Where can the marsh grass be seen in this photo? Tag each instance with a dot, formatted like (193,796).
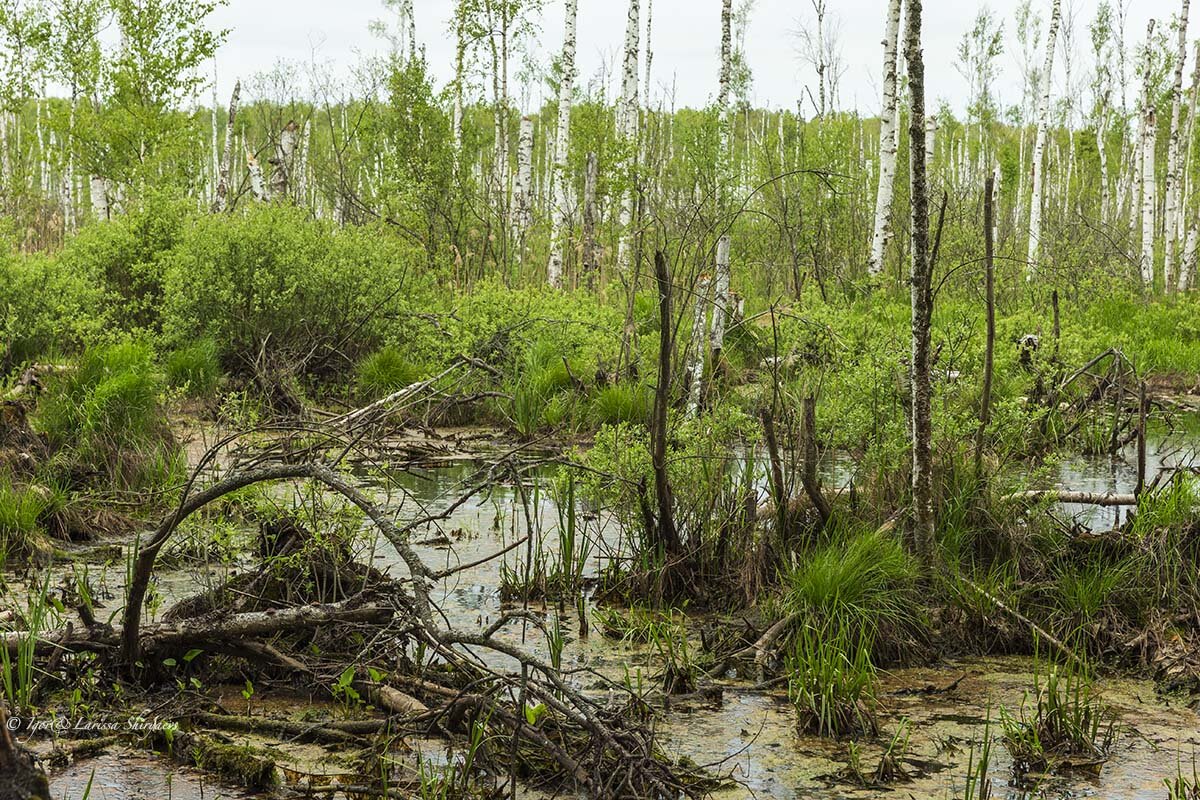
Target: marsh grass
(1183,786)
(385,371)
(21,512)
(194,369)
(832,683)
(1063,724)
(106,417)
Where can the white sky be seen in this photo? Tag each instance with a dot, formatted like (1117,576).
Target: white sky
(685,41)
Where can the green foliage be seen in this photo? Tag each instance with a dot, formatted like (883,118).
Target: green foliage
(21,510)
(124,256)
(46,307)
(622,403)
(308,293)
(194,368)
(831,683)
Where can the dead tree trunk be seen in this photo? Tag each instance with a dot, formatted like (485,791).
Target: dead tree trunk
(591,177)
(922,300)
(281,164)
(667,536)
(985,401)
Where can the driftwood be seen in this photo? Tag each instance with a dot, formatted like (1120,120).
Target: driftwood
(221,631)
(1065,496)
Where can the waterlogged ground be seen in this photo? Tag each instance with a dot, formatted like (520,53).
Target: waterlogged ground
(750,732)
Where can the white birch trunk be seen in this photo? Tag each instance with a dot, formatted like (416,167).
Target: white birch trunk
(889,142)
(1102,151)
(522,185)
(1149,136)
(695,368)
(1171,231)
(99,193)
(560,181)
(1039,146)
(258,187)
(1184,224)
(628,131)
(720,299)
(222,199)
(285,151)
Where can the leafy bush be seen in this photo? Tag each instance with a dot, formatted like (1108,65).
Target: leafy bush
(313,297)
(125,256)
(194,368)
(45,308)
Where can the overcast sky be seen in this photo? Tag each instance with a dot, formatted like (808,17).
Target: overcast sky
(685,39)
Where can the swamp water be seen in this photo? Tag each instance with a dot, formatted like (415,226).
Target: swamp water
(750,734)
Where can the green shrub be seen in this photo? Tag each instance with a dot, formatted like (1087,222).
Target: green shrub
(383,372)
(194,368)
(45,308)
(312,297)
(126,256)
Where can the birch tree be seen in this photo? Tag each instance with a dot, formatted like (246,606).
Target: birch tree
(627,130)
(1171,220)
(922,300)
(1039,146)
(222,202)
(889,140)
(560,183)
(1149,140)
(724,177)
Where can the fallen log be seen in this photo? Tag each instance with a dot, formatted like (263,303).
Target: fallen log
(1065,496)
(195,632)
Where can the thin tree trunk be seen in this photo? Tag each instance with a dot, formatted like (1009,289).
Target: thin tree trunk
(1187,229)
(695,370)
(720,301)
(1173,172)
(591,177)
(560,183)
(1039,147)
(1149,197)
(720,313)
(922,404)
(522,186)
(628,133)
(990,190)
(889,141)
(222,200)
(285,151)
(258,187)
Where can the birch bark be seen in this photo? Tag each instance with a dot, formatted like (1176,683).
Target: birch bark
(889,142)
(1171,231)
(560,184)
(1039,146)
